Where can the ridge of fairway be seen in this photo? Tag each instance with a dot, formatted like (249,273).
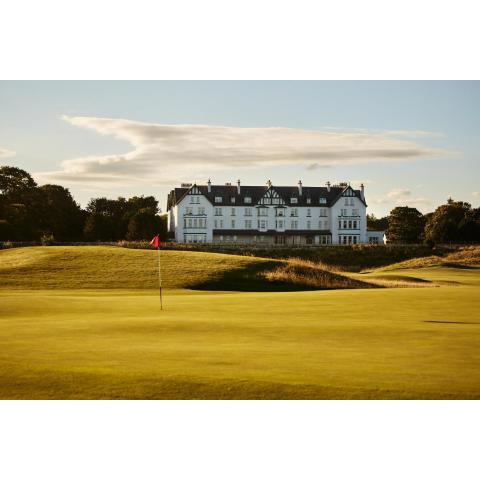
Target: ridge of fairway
(110,267)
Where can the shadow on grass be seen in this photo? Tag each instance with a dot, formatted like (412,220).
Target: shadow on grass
(450,321)
(279,276)
(249,279)
(400,278)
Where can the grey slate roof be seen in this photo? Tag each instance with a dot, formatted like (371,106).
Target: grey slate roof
(257,192)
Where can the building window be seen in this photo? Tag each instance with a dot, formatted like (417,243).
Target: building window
(323,212)
(349,224)
(309,212)
(233,223)
(248,212)
(247,199)
(262,212)
(279,223)
(355,212)
(355,224)
(189,223)
(232,199)
(218,199)
(262,224)
(345,224)
(309,225)
(188,210)
(294,224)
(233,212)
(309,200)
(201,210)
(248,224)
(218,211)
(215,223)
(322,200)
(294,200)
(279,212)
(294,212)
(344,212)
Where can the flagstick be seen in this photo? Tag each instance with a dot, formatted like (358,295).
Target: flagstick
(159,277)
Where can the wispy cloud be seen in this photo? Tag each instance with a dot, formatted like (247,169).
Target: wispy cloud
(164,154)
(401,197)
(399,193)
(4,153)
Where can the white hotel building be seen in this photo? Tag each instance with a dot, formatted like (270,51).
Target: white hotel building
(334,214)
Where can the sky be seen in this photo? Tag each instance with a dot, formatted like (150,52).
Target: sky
(410,143)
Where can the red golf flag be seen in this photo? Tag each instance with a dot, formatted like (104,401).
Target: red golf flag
(155,241)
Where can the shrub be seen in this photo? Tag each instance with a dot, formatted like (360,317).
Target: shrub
(47,239)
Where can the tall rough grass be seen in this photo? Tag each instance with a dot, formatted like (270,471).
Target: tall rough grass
(313,275)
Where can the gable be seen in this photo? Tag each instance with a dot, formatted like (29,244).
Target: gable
(271,197)
(194,190)
(349,192)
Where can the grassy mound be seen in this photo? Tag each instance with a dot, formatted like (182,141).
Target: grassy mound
(314,275)
(466,257)
(101,267)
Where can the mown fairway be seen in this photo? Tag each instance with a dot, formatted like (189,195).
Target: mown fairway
(99,340)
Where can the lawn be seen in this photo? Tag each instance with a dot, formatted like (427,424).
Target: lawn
(86,339)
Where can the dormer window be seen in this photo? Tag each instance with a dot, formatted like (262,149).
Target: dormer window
(247,199)
(232,199)
(294,200)
(309,200)
(218,199)
(322,200)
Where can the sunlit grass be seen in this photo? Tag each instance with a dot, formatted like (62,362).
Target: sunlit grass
(81,338)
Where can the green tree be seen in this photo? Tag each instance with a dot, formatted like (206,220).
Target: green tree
(20,202)
(61,216)
(15,180)
(105,219)
(143,225)
(374,223)
(454,222)
(405,225)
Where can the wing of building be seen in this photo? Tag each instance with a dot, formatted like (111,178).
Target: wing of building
(284,215)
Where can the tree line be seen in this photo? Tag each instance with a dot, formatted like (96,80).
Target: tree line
(454,222)
(31,212)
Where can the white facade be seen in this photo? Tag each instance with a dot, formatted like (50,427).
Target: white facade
(376,237)
(271,215)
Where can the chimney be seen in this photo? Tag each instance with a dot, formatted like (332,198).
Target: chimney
(269,183)
(299,187)
(328,186)
(209,186)
(362,192)
(238,187)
